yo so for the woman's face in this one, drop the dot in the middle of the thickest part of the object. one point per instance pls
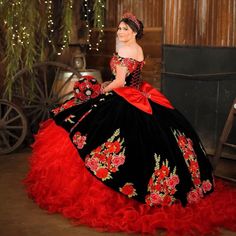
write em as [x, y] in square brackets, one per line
[125, 33]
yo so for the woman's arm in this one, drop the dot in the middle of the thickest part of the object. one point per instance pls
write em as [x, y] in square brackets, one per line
[119, 80]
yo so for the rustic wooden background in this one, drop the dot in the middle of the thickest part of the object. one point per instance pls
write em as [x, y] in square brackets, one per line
[175, 22]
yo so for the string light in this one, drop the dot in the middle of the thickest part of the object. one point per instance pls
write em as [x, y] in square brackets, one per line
[98, 19]
[48, 4]
[18, 31]
[67, 33]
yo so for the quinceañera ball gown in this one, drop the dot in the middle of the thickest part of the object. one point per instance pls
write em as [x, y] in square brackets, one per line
[127, 161]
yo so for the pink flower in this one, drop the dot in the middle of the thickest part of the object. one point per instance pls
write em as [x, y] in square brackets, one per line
[155, 198]
[79, 140]
[206, 186]
[92, 164]
[172, 181]
[193, 196]
[118, 160]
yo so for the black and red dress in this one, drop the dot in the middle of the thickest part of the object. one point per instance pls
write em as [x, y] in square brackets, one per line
[127, 161]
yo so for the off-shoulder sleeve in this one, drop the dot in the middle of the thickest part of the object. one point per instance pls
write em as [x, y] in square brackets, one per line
[129, 63]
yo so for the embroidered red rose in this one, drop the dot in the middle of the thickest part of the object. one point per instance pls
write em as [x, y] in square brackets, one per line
[175, 178]
[79, 140]
[193, 166]
[165, 169]
[157, 187]
[128, 190]
[188, 154]
[172, 181]
[118, 160]
[102, 173]
[117, 146]
[196, 181]
[190, 144]
[102, 158]
[162, 175]
[193, 196]
[98, 149]
[173, 191]
[92, 164]
[162, 183]
[206, 186]
[107, 162]
[155, 198]
[147, 200]
[182, 141]
[167, 200]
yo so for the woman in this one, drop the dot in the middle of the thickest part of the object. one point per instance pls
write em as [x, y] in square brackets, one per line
[127, 160]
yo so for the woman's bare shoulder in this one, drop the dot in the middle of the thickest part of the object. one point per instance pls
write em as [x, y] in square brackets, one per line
[125, 51]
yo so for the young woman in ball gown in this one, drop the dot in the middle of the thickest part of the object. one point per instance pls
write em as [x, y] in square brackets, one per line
[127, 160]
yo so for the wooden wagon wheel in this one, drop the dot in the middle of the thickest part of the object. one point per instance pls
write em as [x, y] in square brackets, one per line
[42, 88]
[13, 127]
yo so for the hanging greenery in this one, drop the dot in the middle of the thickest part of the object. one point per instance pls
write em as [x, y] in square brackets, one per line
[33, 33]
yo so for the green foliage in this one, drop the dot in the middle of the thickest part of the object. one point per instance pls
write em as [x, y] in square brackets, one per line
[99, 16]
[29, 37]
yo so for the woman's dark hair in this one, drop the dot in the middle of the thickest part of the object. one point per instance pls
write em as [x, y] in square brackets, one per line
[134, 27]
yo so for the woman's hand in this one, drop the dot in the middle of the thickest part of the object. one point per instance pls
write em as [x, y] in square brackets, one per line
[104, 84]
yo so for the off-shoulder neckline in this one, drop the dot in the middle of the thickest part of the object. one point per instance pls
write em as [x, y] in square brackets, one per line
[116, 54]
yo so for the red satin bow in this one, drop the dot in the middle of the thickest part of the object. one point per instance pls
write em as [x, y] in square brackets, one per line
[139, 98]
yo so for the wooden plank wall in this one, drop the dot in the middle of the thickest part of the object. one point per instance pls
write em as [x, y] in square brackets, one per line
[200, 22]
[150, 12]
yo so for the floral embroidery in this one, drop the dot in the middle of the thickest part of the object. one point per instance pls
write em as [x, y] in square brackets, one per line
[186, 146]
[107, 158]
[79, 140]
[162, 184]
[69, 118]
[129, 63]
[206, 186]
[64, 106]
[128, 190]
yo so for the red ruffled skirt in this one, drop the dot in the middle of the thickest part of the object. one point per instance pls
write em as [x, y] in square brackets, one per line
[59, 182]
